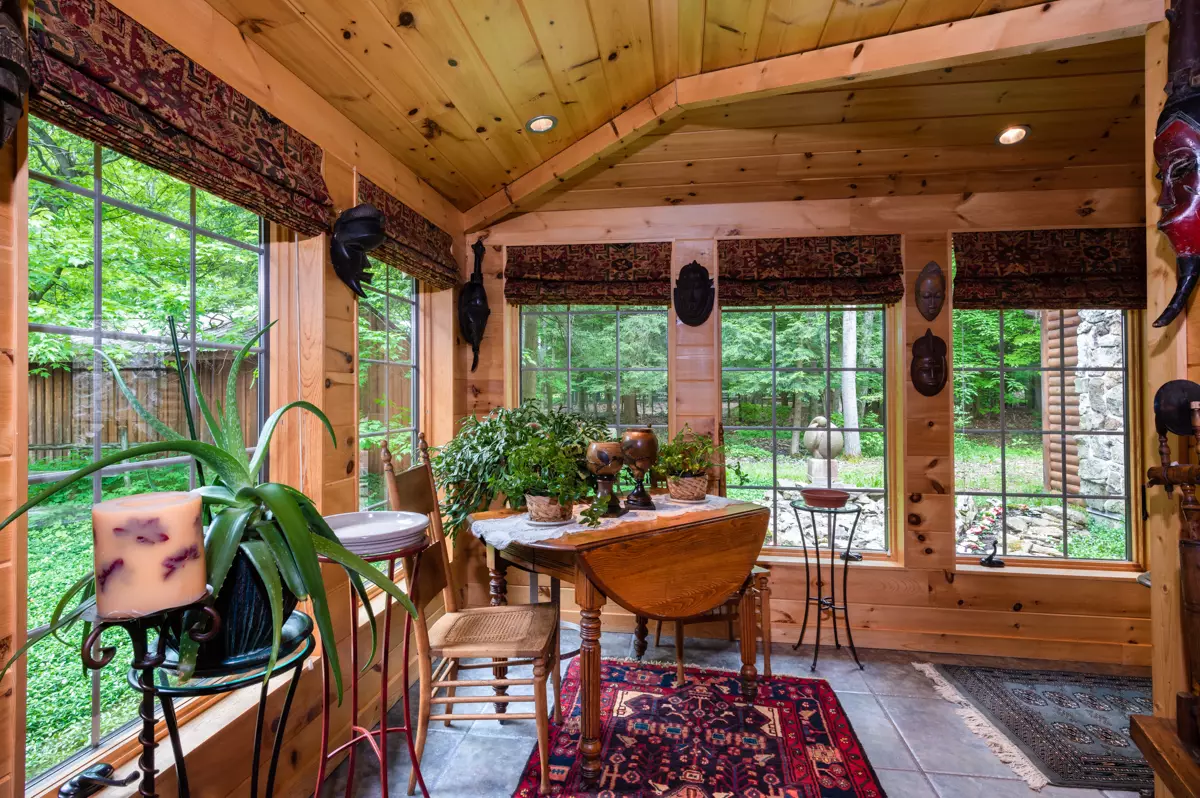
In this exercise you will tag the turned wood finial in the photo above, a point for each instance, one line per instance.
(423, 447)
(387, 459)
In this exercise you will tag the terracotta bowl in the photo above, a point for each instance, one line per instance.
(825, 497)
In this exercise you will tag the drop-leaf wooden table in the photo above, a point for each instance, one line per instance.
(665, 568)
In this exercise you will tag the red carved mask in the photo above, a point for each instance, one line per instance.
(1177, 152)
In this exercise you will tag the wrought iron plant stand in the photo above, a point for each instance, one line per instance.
(148, 671)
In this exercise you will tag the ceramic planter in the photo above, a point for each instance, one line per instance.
(546, 508)
(688, 488)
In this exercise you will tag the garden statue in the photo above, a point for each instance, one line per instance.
(694, 295)
(14, 68)
(639, 446)
(355, 233)
(473, 310)
(929, 367)
(1177, 151)
(931, 291)
(825, 446)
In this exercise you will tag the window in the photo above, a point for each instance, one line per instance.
(387, 379)
(116, 247)
(606, 362)
(1041, 452)
(793, 381)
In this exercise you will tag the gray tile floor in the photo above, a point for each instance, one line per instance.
(919, 747)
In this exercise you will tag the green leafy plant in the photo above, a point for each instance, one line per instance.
(276, 527)
(543, 467)
(469, 468)
(688, 455)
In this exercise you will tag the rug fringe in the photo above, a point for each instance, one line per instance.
(978, 723)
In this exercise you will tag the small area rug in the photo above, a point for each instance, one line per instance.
(703, 741)
(1053, 727)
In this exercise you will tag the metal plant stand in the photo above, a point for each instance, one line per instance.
(148, 672)
(377, 738)
(821, 601)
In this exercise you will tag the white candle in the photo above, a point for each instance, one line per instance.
(149, 553)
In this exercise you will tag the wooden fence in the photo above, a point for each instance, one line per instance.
(61, 405)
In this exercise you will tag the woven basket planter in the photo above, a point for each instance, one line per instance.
(546, 508)
(688, 488)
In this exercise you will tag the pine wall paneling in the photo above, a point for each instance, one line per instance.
(14, 426)
(920, 598)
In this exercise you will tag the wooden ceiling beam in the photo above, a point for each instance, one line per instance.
(1049, 27)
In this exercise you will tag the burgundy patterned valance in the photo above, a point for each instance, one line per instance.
(1100, 269)
(826, 270)
(101, 75)
(414, 244)
(589, 274)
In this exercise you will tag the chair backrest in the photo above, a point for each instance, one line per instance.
(413, 490)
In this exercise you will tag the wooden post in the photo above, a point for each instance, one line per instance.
(1165, 357)
(694, 353)
(928, 539)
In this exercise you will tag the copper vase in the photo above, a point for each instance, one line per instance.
(639, 446)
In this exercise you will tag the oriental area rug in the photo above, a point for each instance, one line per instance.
(1053, 727)
(702, 740)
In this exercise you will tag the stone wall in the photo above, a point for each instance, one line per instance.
(1101, 407)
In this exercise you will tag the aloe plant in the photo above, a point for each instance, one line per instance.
(276, 527)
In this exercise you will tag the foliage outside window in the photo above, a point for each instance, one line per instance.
(788, 373)
(1041, 445)
(115, 247)
(607, 363)
(387, 378)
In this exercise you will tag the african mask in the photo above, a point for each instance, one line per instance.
(931, 291)
(694, 295)
(355, 233)
(1177, 152)
(929, 367)
(473, 310)
(14, 68)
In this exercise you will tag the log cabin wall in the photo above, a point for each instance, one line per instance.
(921, 596)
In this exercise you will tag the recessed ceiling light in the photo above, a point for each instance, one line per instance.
(1014, 134)
(541, 123)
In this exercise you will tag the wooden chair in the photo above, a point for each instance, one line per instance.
(525, 634)
(759, 583)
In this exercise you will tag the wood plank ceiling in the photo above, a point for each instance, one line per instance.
(447, 85)
(926, 133)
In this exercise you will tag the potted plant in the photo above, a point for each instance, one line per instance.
(262, 540)
(470, 467)
(548, 475)
(685, 462)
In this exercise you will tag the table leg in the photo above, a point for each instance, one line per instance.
(639, 637)
(590, 601)
(498, 590)
(749, 647)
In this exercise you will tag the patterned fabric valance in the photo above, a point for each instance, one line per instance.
(1098, 269)
(589, 274)
(827, 270)
(414, 244)
(101, 75)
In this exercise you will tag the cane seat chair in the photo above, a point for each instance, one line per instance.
(760, 585)
(524, 634)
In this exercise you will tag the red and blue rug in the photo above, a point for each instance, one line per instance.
(703, 741)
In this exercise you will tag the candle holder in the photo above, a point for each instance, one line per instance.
(297, 643)
(143, 666)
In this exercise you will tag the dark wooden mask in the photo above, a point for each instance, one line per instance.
(355, 233)
(694, 295)
(473, 310)
(929, 366)
(930, 291)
